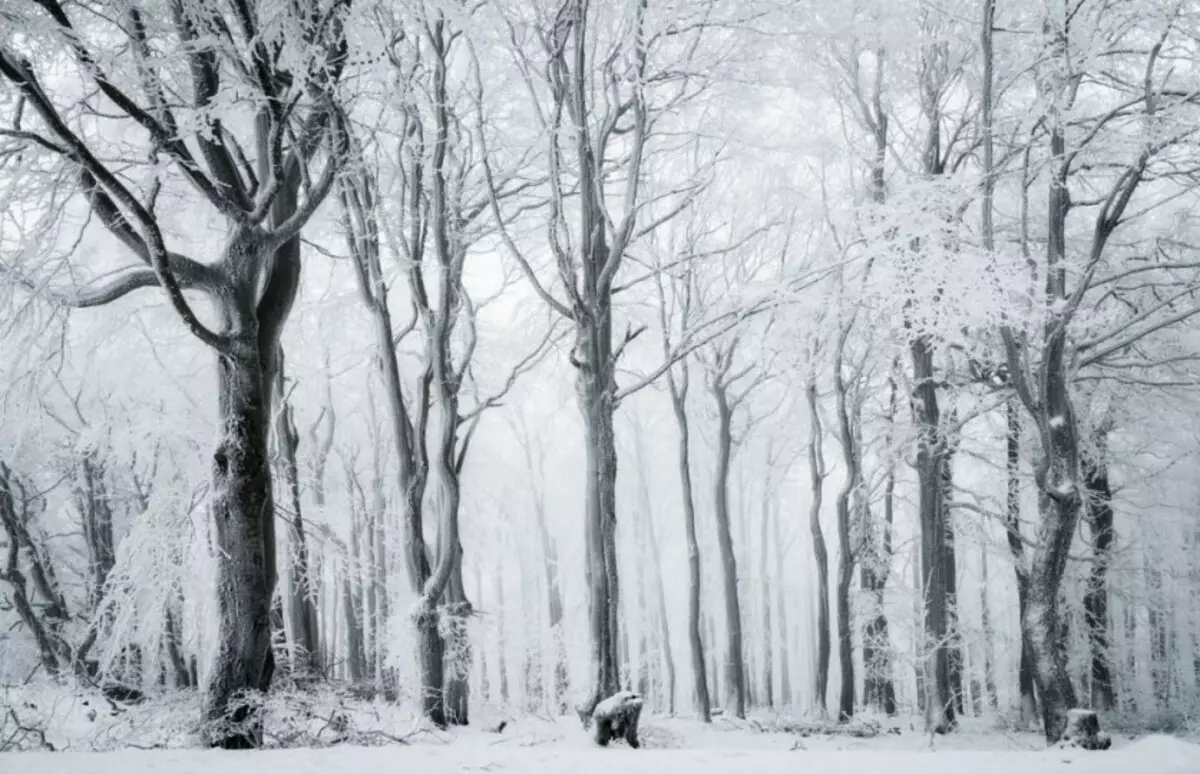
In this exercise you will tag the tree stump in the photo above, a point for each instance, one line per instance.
(1083, 730)
(617, 718)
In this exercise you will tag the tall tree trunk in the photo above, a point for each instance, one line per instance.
(765, 611)
(96, 511)
(458, 647)
(816, 464)
(715, 666)
(1060, 495)
(597, 404)
(1095, 600)
(1016, 545)
(939, 692)
(703, 703)
(353, 605)
(851, 489)
(985, 616)
(878, 688)
(642, 611)
(783, 659)
(307, 657)
(734, 657)
(988, 230)
(243, 511)
(954, 642)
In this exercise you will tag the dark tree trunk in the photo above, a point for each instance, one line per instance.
(816, 464)
(695, 641)
(243, 512)
(1095, 600)
(985, 613)
(950, 562)
(1058, 476)
(879, 690)
(352, 589)
(939, 692)
(734, 657)
(173, 641)
(302, 601)
(851, 491)
(458, 647)
(597, 404)
(1016, 545)
(96, 512)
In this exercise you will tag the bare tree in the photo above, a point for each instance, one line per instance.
(678, 384)
(728, 395)
(264, 199)
(1043, 358)
(597, 151)
(817, 475)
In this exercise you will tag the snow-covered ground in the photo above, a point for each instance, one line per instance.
(98, 740)
(1152, 755)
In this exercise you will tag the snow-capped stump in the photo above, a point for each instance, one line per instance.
(1083, 730)
(617, 717)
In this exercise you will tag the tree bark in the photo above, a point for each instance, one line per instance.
(243, 512)
(458, 647)
(307, 657)
(985, 615)
(954, 644)
(1016, 545)
(939, 692)
(878, 688)
(851, 489)
(768, 672)
(596, 396)
(816, 464)
(1095, 600)
(734, 657)
(695, 642)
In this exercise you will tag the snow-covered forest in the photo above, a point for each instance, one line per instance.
(792, 363)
